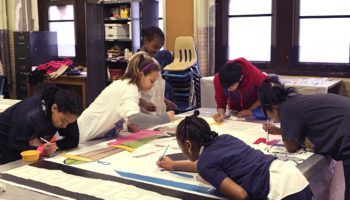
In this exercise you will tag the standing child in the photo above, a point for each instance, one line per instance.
(321, 121)
(237, 84)
(120, 100)
(233, 167)
(154, 100)
(23, 124)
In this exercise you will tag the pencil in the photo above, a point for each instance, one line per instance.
(219, 114)
(267, 132)
(44, 140)
(166, 148)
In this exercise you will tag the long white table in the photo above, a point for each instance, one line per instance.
(5, 103)
(311, 168)
(304, 85)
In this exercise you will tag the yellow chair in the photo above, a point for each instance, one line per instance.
(185, 55)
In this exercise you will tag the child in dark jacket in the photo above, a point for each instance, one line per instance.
(24, 124)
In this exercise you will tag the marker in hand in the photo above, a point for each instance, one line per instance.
(219, 115)
(44, 140)
(268, 130)
(161, 157)
(47, 142)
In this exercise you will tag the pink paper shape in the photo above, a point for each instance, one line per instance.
(134, 136)
(263, 140)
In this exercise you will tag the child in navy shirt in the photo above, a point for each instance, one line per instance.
(24, 124)
(320, 121)
(233, 167)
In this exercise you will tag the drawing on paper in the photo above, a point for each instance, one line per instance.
(95, 155)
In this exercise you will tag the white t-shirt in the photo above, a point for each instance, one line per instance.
(119, 100)
(282, 174)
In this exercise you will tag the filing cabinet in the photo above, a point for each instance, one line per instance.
(32, 49)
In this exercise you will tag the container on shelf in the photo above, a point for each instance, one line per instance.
(116, 31)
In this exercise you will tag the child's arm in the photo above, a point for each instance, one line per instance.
(249, 112)
(147, 121)
(149, 106)
(71, 137)
(185, 165)
(291, 145)
(271, 129)
(232, 190)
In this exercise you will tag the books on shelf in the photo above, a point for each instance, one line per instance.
(115, 73)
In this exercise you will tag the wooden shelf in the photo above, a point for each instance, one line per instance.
(114, 1)
(117, 20)
(117, 61)
(118, 40)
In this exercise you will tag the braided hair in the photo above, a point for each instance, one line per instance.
(151, 32)
(272, 93)
(67, 101)
(196, 130)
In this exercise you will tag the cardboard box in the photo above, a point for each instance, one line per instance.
(116, 31)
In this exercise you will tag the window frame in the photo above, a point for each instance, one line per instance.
(284, 43)
(79, 24)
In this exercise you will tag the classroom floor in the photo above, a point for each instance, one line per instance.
(338, 183)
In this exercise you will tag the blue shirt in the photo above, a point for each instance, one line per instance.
(227, 156)
(324, 119)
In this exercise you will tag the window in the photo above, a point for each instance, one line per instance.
(249, 33)
(67, 17)
(160, 13)
(324, 34)
(291, 37)
(61, 20)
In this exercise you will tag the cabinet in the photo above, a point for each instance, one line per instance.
(116, 15)
(32, 49)
(111, 27)
(122, 26)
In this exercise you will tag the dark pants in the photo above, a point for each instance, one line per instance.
(347, 180)
(305, 194)
(6, 155)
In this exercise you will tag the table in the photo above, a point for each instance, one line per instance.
(310, 168)
(312, 85)
(304, 85)
(5, 103)
(78, 80)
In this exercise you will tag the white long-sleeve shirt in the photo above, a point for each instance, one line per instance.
(119, 100)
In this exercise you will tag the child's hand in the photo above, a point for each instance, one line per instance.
(35, 142)
(133, 128)
(49, 149)
(150, 107)
(166, 163)
(171, 115)
(169, 104)
(244, 113)
(219, 117)
(271, 129)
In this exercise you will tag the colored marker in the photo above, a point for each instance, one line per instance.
(166, 148)
(267, 132)
(219, 114)
(44, 140)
